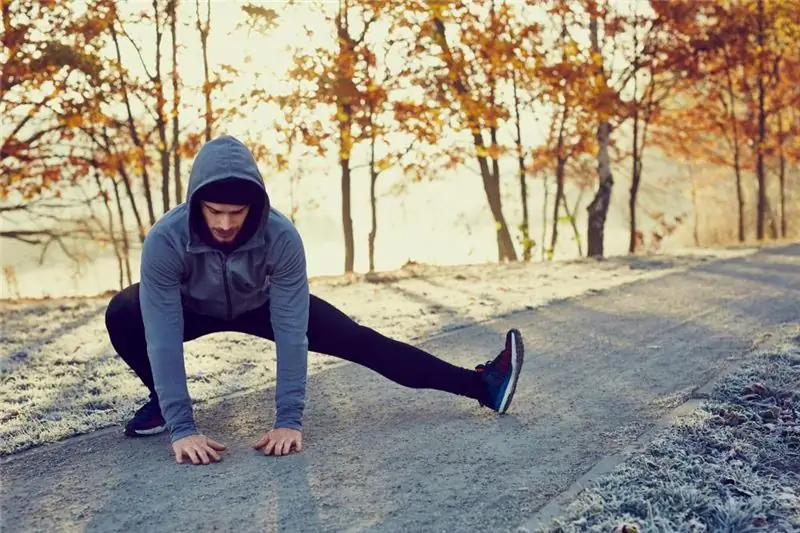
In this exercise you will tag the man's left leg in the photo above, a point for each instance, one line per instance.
(493, 383)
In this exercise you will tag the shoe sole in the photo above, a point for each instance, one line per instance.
(145, 432)
(513, 337)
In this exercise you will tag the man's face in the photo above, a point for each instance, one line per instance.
(224, 220)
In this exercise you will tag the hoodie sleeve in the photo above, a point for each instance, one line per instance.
(289, 305)
(162, 312)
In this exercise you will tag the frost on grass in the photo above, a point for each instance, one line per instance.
(733, 466)
(60, 378)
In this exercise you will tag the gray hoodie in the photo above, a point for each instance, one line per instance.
(178, 270)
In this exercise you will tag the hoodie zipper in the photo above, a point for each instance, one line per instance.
(227, 290)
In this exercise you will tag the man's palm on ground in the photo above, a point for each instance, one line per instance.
(200, 449)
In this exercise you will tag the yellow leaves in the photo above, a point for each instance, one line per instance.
(438, 8)
(345, 143)
(571, 49)
(493, 151)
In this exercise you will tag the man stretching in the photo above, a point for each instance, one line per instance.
(225, 260)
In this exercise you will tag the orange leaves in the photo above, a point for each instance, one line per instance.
(260, 18)
(73, 121)
(715, 45)
(494, 151)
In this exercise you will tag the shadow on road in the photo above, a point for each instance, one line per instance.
(599, 371)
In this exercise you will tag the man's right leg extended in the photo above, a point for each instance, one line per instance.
(126, 331)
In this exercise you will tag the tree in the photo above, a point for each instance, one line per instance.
(51, 55)
(651, 67)
(204, 29)
(604, 99)
(731, 55)
(332, 76)
(172, 13)
(466, 81)
(140, 146)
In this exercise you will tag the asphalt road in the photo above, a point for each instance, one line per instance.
(599, 371)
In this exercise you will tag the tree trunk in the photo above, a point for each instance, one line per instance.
(344, 114)
(128, 188)
(491, 182)
(782, 176)
(126, 244)
(373, 177)
(527, 242)
(598, 208)
(561, 165)
(696, 209)
(572, 215)
(347, 221)
(112, 232)
(635, 171)
(545, 199)
(737, 167)
(176, 103)
(505, 246)
(635, 179)
(134, 133)
(204, 29)
(491, 186)
(762, 123)
(161, 113)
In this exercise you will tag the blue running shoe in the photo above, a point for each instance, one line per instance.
(147, 421)
(501, 374)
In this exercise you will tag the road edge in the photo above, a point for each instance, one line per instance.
(557, 506)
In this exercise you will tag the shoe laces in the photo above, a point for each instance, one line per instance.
(150, 409)
(491, 364)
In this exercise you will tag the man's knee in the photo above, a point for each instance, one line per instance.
(123, 310)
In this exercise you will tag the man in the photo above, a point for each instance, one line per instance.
(225, 260)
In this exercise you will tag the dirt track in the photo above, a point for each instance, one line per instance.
(599, 371)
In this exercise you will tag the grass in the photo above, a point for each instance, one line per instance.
(733, 466)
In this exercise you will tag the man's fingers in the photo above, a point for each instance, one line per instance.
(294, 443)
(261, 442)
(215, 445)
(287, 447)
(213, 454)
(202, 453)
(270, 447)
(192, 453)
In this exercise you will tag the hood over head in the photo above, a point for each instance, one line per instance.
(225, 171)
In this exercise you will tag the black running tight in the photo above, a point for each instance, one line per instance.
(330, 332)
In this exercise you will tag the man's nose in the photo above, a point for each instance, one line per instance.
(226, 222)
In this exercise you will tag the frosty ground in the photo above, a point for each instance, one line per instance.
(61, 378)
(732, 465)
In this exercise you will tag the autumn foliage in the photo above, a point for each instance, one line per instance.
(94, 97)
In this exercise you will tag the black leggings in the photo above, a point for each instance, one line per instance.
(330, 332)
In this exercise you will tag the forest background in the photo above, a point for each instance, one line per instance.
(395, 131)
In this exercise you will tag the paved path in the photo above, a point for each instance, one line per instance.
(600, 370)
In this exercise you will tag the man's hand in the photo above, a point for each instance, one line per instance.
(280, 441)
(198, 448)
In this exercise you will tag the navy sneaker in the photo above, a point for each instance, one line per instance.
(501, 374)
(147, 421)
